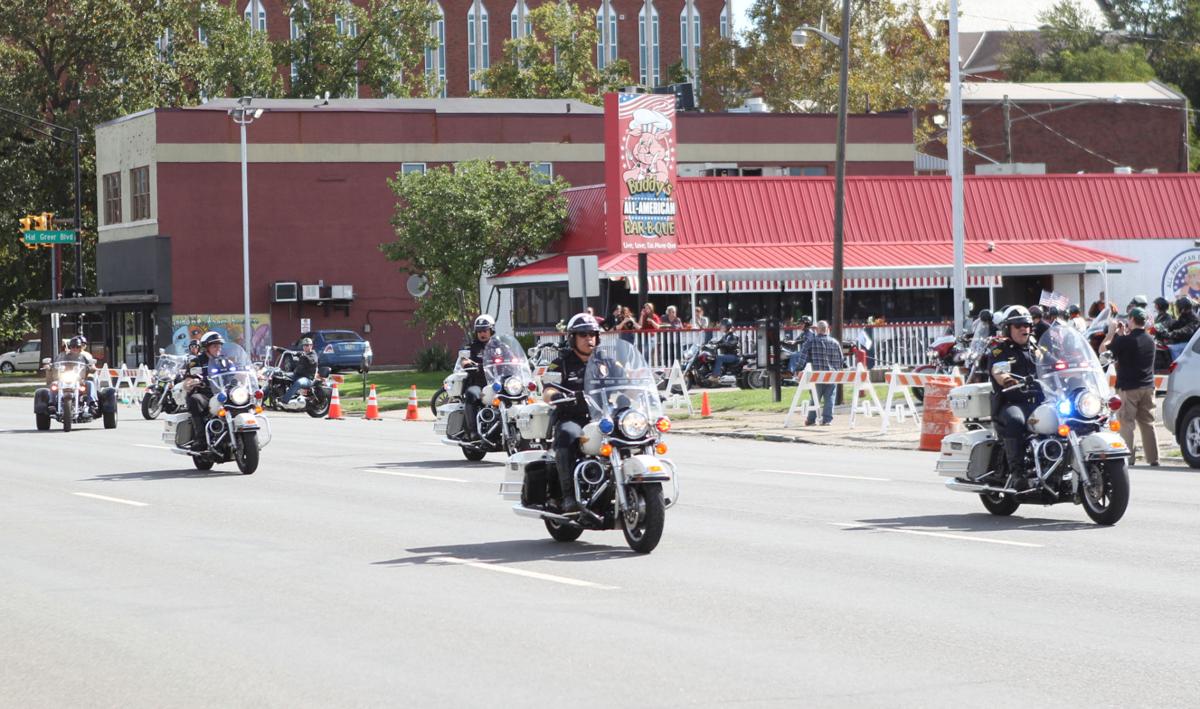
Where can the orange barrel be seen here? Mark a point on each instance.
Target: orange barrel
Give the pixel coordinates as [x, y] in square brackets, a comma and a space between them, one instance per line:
[937, 421]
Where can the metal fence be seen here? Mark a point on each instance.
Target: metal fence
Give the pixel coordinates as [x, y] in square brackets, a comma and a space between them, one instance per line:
[905, 344]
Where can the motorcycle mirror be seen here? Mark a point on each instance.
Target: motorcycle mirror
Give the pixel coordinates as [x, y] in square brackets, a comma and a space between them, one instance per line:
[1002, 367]
[1106, 358]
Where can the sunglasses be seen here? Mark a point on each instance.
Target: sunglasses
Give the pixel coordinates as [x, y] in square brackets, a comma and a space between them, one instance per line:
[1022, 326]
[589, 336]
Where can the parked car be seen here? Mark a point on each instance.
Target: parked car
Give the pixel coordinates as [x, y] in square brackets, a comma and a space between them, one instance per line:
[26, 357]
[340, 350]
[1181, 406]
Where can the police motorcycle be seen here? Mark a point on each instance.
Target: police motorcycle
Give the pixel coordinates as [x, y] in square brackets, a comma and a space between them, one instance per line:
[235, 428]
[66, 398]
[165, 394]
[277, 379]
[1073, 452]
[620, 477]
[509, 383]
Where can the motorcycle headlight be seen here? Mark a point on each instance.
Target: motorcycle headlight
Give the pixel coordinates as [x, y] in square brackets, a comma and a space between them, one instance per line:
[239, 396]
[513, 386]
[69, 376]
[634, 424]
[1088, 405]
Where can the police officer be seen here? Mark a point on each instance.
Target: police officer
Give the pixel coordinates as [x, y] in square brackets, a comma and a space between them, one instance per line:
[196, 382]
[485, 328]
[583, 334]
[304, 369]
[1010, 409]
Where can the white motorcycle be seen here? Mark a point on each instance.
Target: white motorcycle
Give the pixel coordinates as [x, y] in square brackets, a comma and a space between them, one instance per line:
[165, 395]
[620, 476]
[1073, 452]
[509, 383]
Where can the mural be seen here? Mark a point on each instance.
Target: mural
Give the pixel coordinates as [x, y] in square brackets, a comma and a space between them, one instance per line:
[1182, 276]
[185, 328]
[640, 164]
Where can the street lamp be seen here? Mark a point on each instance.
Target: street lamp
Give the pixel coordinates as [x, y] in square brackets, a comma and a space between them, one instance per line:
[839, 191]
[244, 115]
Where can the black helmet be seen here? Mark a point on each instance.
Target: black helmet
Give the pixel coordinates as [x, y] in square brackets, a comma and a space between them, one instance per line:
[985, 315]
[583, 324]
[1035, 311]
[194, 344]
[1053, 312]
[1162, 303]
[77, 341]
[485, 322]
[806, 319]
[1018, 315]
[211, 337]
[1073, 310]
[726, 322]
[1183, 304]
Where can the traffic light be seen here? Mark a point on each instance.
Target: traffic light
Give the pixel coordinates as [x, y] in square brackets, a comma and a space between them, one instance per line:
[26, 222]
[43, 221]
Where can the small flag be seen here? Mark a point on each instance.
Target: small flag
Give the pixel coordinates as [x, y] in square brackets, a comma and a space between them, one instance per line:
[1051, 299]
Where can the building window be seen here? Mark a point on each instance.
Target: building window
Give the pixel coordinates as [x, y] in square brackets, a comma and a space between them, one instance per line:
[543, 168]
[139, 193]
[689, 38]
[435, 59]
[648, 52]
[606, 35]
[807, 171]
[412, 167]
[346, 26]
[478, 57]
[296, 33]
[202, 36]
[164, 46]
[262, 14]
[112, 198]
[518, 29]
[725, 20]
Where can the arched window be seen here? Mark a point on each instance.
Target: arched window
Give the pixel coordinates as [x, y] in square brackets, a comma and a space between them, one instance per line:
[689, 38]
[262, 15]
[517, 28]
[477, 43]
[648, 46]
[725, 20]
[606, 35]
[295, 32]
[435, 59]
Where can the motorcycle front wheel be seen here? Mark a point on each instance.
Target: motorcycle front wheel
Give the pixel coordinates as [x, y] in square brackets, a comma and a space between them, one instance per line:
[246, 455]
[643, 522]
[1107, 497]
[68, 415]
[437, 399]
[151, 405]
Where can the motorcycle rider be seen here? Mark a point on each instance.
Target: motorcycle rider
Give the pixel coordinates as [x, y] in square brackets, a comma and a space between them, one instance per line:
[1040, 326]
[193, 348]
[583, 335]
[1137, 301]
[1180, 331]
[728, 349]
[989, 320]
[1011, 408]
[196, 384]
[485, 327]
[303, 371]
[1162, 314]
[76, 353]
[805, 334]
[1075, 318]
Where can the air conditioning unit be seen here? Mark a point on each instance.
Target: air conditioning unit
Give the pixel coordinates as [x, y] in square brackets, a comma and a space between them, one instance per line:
[285, 292]
[312, 292]
[341, 292]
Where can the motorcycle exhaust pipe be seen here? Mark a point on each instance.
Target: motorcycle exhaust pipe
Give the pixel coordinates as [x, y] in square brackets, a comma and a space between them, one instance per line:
[977, 488]
[1052, 450]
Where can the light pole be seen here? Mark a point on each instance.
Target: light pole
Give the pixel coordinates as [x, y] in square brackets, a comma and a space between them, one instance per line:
[839, 180]
[954, 152]
[244, 115]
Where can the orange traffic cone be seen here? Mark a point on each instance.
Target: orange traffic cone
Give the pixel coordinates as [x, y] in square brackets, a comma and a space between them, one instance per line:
[335, 406]
[373, 406]
[411, 414]
[705, 409]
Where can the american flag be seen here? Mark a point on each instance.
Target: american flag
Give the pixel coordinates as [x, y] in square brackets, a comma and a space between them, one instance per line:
[1051, 299]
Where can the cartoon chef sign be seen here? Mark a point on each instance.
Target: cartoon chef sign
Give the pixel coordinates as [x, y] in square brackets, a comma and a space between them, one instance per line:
[640, 157]
[648, 146]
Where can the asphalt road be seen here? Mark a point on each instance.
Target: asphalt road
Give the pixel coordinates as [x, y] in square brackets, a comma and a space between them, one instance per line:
[367, 565]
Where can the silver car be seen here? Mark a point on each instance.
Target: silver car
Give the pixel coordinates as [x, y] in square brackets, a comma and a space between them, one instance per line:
[1181, 407]
[26, 357]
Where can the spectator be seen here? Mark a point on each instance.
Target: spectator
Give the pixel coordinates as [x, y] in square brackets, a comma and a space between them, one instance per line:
[1075, 318]
[626, 324]
[1096, 307]
[699, 321]
[824, 354]
[672, 320]
[599, 319]
[1162, 314]
[614, 321]
[1040, 326]
[1138, 301]
[1134, 353]
[649, 320]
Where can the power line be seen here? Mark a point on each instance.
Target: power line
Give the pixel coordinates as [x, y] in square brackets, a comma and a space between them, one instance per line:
[1070, 140]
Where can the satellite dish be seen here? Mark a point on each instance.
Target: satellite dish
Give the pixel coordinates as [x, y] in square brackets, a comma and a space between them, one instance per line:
[418, 286]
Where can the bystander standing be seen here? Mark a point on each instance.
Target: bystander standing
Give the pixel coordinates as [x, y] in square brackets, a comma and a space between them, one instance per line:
[824, 354]
[1133, 350]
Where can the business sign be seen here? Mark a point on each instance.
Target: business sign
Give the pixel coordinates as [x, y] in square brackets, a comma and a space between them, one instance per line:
[185, 328]
[1182, 276]
[583, 277]
[639, 169]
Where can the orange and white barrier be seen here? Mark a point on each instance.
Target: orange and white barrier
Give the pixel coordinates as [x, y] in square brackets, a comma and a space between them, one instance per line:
[901, 384]
[858, 377]
[939, 420]
[1160, 380]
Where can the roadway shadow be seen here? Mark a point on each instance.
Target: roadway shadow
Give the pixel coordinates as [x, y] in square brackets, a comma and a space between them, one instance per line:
[974, 522]
[464, 463]
[54, 428]
[513, 552]
[163, 475]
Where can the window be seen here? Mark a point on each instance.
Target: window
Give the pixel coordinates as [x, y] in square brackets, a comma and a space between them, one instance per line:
[296, 32]
[517, 29]
[112, 198]
[648, 50]
[139, 193]
[262, 14]
[346, 26]
[689, 38]
[164, 46]
[543, 168]
[606, 35]
[435, 58]
[202, 36]
[477, 44]
[808, 171]
[725, 20]
[411, 167]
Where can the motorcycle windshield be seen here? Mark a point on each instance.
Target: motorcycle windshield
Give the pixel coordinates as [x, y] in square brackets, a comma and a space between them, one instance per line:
[503, 357]
[168, 366]
[618, 379]
[232, 370]
[1069, 363]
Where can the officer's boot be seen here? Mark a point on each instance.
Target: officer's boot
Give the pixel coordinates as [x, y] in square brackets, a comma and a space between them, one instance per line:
[1014, 454]
[565, 460]
[199, 442]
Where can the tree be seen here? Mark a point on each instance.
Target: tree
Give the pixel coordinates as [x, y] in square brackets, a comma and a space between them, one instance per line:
[1071, 47]
[556, 60]
[213, 51]
[456, 225]
[337, 46]
[896, 60]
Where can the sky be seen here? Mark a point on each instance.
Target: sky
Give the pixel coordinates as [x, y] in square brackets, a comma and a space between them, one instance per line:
[974, 15]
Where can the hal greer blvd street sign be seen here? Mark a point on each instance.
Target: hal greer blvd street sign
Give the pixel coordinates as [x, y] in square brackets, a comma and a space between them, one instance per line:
[60, 236]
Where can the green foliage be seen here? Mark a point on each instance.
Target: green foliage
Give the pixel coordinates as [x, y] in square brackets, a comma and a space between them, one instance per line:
[1072, 48]
[434, 358]
[557, 60]
[231, 60]
[527, 340]
[455, 226]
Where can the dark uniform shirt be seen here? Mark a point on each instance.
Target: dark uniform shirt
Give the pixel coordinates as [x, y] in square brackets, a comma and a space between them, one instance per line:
[570, 367]
[475, 377]
[200, 362]
[1134, 354]
[1024, 364]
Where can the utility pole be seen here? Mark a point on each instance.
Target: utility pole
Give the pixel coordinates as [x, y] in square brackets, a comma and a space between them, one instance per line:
[954, 151]
[1008, 155]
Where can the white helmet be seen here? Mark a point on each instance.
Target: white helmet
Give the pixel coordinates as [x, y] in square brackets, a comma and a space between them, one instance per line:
[583, 323]
[210, 337]
[485, 322]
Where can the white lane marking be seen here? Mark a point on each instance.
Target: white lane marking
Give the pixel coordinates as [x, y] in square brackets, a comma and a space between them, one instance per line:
[111, 499]
[414, 475]
[522, 572]
[827, 475]
[942, 535]
[147, 445]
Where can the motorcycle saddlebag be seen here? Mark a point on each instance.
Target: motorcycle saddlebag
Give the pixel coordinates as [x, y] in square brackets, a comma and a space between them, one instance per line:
[967, 454]
[449, 420]
[177, 429]
[525, 476]
[108, 400]
[972, 402]
[533, 420]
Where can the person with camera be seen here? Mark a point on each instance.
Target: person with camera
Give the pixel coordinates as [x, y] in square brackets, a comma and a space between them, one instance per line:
[1133, 351]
